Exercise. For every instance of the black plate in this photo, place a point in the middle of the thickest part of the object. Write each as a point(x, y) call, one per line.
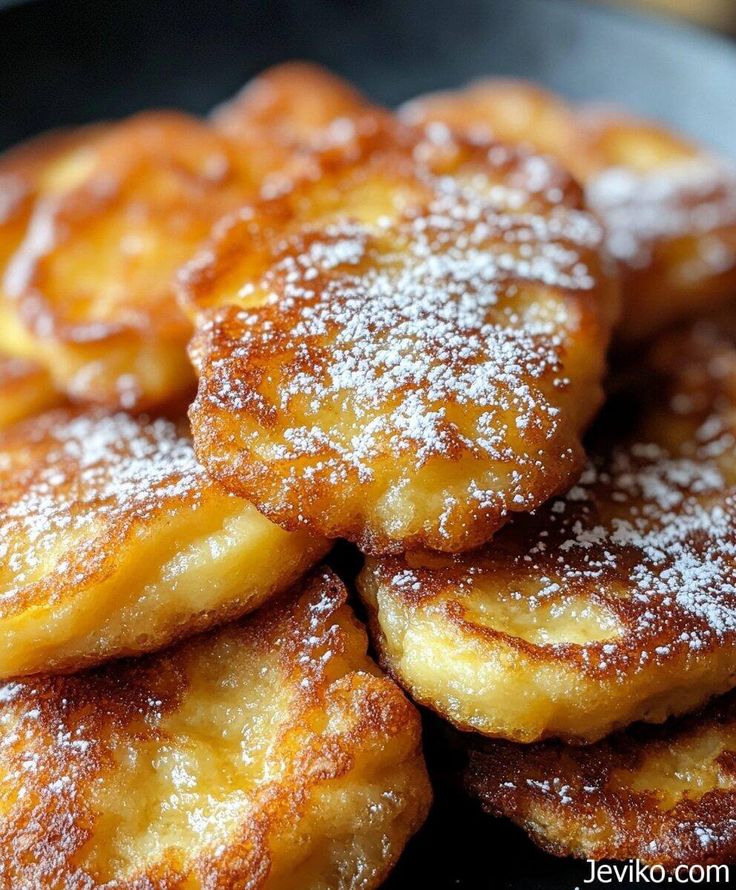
point(72, 61)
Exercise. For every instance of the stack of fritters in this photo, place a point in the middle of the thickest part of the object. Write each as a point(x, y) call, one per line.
point(398, 327)
point(615, 603)
point(669, 206)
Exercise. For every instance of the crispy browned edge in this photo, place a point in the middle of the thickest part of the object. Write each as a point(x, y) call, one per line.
point(377, 142)
point(580, 793)
point(40, 839)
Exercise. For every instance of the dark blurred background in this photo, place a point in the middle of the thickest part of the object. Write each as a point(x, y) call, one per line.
point(71, 61)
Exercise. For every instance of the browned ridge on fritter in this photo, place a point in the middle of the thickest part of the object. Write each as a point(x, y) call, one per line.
point(267, 754)
point(669, 206)
point(610, 604)
point(405, 347)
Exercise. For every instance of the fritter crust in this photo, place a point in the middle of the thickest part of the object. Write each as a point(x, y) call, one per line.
point(25, 389)
point(670, 211)
point(498, 108)
point(664, 795)
point(113, 541)
point(288, 109)
point(612, 604)
point(267, 754)
point(29, 170)
point(405, 348)
point(89, 291)
point(669, 206)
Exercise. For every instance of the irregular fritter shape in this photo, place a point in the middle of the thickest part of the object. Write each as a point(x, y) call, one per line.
point(612, 604)
point(404, 349)
point(114, 541)
point(669, 206)
point(267, 754)
point(664, 795)
point(89, 291)
point(25, 389)
point(287, 109)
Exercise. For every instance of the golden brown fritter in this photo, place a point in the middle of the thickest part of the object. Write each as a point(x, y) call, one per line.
point(44, 166)
point(498, 108)
point(113, 541)
point(612, 604)
point(25, 386)
point(25, 389)
point(89, 291)
point(34, 168)
point(670, 211)
point(288, 109)
point(406, 348)
point(669, 206)
point(267, 754)
point(664, 795)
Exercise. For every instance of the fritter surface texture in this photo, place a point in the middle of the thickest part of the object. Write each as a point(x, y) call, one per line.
point(612, 604)
point(267, 754)
point(89, 292)
point(668, 205)
point(113, 541)
point(404, 349)
point(514, 111)
point(45, 166)
point(664, 795)
point(288, 109)
point(25, 389)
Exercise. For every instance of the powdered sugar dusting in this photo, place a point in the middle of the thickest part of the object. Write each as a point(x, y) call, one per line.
point(649, 536)
point(641, 209)
point(677, 519)
point(423, 329)
point(35, 744)
point(441, 329)
point(75, 478)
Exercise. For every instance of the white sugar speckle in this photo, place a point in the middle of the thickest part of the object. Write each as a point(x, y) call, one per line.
point(640, 209)
point(440, 330)
point(87, 473)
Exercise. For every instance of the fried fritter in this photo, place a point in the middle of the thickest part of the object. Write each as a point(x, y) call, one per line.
point(36, 168)
point(289, 108)
point(25, 389)
point(514, 111)
point(612, 604)
point(669, 206)
point(89, 291)
point(404, 349)
point(266, 754)
point(670, 211)
point(665, 795)
point(113, 541)
point(44, 167)
point(25, 386)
